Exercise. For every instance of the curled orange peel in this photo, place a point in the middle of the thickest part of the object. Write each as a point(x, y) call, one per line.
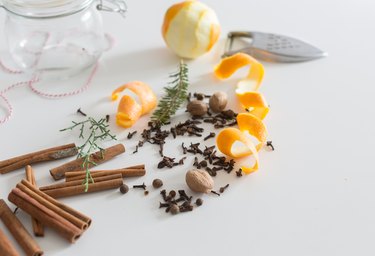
point(247, 88)
point(253, 101)
point(129, 110)
point(226, 144)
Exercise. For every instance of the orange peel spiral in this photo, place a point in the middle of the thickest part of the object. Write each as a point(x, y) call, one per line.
point(253, 101)
point(129, 110)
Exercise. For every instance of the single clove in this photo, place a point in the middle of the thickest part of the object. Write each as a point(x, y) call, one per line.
point(79, 111)
point(143, 186)
point(222, 189)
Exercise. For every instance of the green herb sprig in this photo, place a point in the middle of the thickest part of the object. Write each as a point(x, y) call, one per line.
point(175, 96)
point(97, 131)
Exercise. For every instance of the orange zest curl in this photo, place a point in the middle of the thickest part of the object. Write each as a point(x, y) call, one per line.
point(234, 142)
point(129, 110)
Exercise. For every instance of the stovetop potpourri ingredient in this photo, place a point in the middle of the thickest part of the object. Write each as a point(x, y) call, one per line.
point(49, 154)
point(176, 95)
point(129, 110)
point(218, 101)
point(97, 131)
point(199, 181)
point(190, 29)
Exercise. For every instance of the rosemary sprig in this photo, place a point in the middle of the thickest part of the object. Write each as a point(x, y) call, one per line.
point(98, 131)
point(176, 95)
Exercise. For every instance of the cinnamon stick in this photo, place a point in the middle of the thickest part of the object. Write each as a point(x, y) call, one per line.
point(37, 157)
point(125, 173)
point(71, 174)
point(60, 205)
point(47, 217)
point(6, 248)
point(38, 228)
point(20, 234)
point(78, 182)
point(97, 157)
point(44, 202)
point(80, 189)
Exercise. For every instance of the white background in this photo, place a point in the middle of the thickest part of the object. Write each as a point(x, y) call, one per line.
point(314, 195)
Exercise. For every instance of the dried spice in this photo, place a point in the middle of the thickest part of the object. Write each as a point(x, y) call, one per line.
point(174, 206)
point(199, 202)
point(174, 209)
point(197, 108)
point(218, 101)
point(199, 181)
point(79, 111)
point(270, 145)
point(222, 189)
point(239, 173)
point(143, 186)
point(131, 134)
point(209, 136)
point(124, 189)
point(157, 183)
point(201, 96)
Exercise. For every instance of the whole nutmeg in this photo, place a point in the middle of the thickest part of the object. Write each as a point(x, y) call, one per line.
point(218, 101)
point(199, 181)
point(197, 108)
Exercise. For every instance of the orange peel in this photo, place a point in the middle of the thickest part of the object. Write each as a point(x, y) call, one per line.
point(253, 101)
point(129, 110)
point(247, 88)
point(226, 140)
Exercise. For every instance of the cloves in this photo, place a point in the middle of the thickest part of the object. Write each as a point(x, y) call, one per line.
point(131, 134)
point(270, 145)
point(211, 135)
point(143, 186)
point(79, 111)
point(222, 189)
point(239, 173)
point(214, 192)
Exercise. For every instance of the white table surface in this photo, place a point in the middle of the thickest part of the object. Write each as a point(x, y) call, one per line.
point(314, 195)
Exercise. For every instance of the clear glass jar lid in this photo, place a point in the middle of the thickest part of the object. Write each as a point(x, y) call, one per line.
point(44, 8)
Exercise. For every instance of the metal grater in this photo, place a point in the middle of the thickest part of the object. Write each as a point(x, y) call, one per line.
point(274, 47)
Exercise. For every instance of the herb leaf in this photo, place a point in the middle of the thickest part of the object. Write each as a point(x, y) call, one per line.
point(175, 96)
point(98, 131)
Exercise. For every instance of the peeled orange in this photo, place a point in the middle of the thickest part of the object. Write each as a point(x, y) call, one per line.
point(190, 29)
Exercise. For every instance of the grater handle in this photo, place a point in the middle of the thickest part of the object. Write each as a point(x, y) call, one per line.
point(229, 43)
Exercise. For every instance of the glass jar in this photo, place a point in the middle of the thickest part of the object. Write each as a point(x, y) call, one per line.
point(60, 37)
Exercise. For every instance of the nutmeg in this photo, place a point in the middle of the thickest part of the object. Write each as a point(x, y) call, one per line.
point(199, 181)
point(197, 108)
point(218, 101)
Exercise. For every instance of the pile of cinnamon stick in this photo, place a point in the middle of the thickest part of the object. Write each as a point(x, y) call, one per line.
point(40, 203)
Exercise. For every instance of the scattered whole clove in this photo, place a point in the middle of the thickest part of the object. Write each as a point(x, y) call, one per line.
point(222, 189)
point(143, 186)
point(270, 145)
point(131, 134)
point(211, 135)
point(79, 111)
point(239, 173)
